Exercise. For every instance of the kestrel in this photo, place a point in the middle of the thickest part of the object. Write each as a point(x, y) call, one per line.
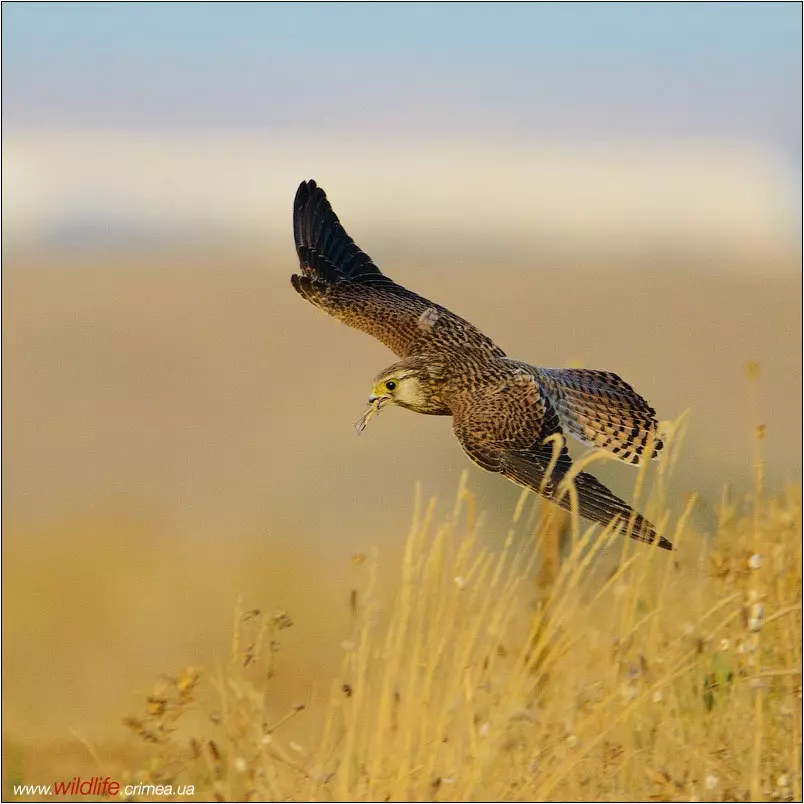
point(504, 411)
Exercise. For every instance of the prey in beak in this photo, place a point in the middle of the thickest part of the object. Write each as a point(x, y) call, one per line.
point(375, 404)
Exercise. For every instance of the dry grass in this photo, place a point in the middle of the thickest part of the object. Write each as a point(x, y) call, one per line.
point(161, 462)
point(509, 675)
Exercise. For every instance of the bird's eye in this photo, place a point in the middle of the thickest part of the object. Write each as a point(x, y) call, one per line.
point(390, 385)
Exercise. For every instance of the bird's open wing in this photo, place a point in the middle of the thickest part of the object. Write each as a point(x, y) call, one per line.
point(505, 431)
point(603, 411)
point(339, 278)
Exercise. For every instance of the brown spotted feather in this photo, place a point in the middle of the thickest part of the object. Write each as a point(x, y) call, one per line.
point(504, 429)
point(343, 281)
point(502, 410)
point(603, 411)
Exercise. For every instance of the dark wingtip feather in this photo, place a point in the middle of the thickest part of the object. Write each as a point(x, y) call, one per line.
point(316, 265)
point(305, 190)
point(316, 227)
point(301, 203)
point(643, 531)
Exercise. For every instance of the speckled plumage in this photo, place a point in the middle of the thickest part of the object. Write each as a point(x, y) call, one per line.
point(502, 409)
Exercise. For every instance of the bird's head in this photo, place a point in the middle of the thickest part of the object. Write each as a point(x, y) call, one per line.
point(398, 385)
point(410, 383)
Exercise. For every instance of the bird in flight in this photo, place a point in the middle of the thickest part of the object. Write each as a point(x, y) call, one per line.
point(509, 417)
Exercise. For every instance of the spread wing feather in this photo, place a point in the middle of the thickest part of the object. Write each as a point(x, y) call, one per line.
point(505, 432)
point(503, 426)
point(603, 411)
point(342, 280)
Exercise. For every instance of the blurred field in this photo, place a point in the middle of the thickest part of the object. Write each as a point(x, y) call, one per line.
point(177, 434)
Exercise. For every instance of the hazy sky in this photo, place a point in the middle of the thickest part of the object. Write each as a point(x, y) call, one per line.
point(685, 116)
point(550, 70)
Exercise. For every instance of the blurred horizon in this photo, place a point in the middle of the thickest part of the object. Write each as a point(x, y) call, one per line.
point(633, 125)
point(65, 190)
